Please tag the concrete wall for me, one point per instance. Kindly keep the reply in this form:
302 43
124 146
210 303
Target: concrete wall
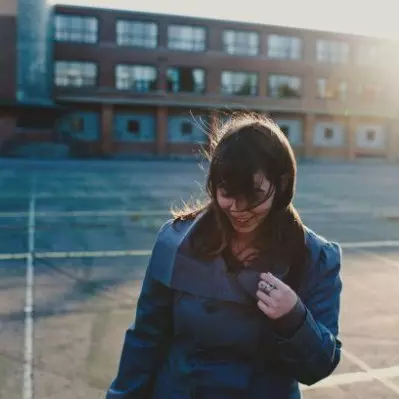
7 58
8 8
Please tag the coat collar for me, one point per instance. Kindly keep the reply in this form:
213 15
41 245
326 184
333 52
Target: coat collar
173 264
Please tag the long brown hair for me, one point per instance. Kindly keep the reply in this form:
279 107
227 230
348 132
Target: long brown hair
239 148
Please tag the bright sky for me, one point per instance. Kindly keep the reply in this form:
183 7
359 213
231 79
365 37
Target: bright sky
373 17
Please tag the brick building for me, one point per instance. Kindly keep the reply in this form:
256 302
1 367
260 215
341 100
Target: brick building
120 83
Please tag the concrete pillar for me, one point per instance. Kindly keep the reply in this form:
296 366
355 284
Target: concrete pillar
163 35
162 78
162 130
262 85
308 135
309 46
215 39
106 134
213 81
350 138
263 46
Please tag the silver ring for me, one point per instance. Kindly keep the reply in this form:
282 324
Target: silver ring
267 288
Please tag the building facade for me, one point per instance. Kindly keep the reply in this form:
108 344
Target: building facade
125 83
26 65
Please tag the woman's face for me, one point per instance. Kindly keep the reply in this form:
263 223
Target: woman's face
244 216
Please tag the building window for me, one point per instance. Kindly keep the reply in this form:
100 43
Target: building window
186 128
332 52
328 133
284 86
328 90
239 83
371 135
241 43
137 34
138 78
370 92
78 29
284 47
75 74
186 80
368 54
133 126
186 38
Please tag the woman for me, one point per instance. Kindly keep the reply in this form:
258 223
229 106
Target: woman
240 299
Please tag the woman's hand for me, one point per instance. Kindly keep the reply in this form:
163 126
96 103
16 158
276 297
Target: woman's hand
276 298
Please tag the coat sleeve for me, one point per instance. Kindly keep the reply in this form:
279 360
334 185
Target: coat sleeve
313 351
145 341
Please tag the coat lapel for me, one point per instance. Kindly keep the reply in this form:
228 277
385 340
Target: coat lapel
173 264
207 279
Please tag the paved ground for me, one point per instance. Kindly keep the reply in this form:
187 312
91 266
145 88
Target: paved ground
89 227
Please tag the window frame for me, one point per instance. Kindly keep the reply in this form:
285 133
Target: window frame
236 44
270 91
290 58
340 90
130 68
70 32
328 55
224 93
186 25
130 23
178 67
79 62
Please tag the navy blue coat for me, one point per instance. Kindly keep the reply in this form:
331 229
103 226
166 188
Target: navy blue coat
199 334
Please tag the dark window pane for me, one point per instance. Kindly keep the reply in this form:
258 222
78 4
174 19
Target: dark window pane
328 133
186 128
371 135
133 126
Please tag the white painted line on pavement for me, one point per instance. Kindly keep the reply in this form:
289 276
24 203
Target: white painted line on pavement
380 258
359 376
166 213
73 214
76 254
370 244
28 343
381 375
368 374
15 256
91 254
147 252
